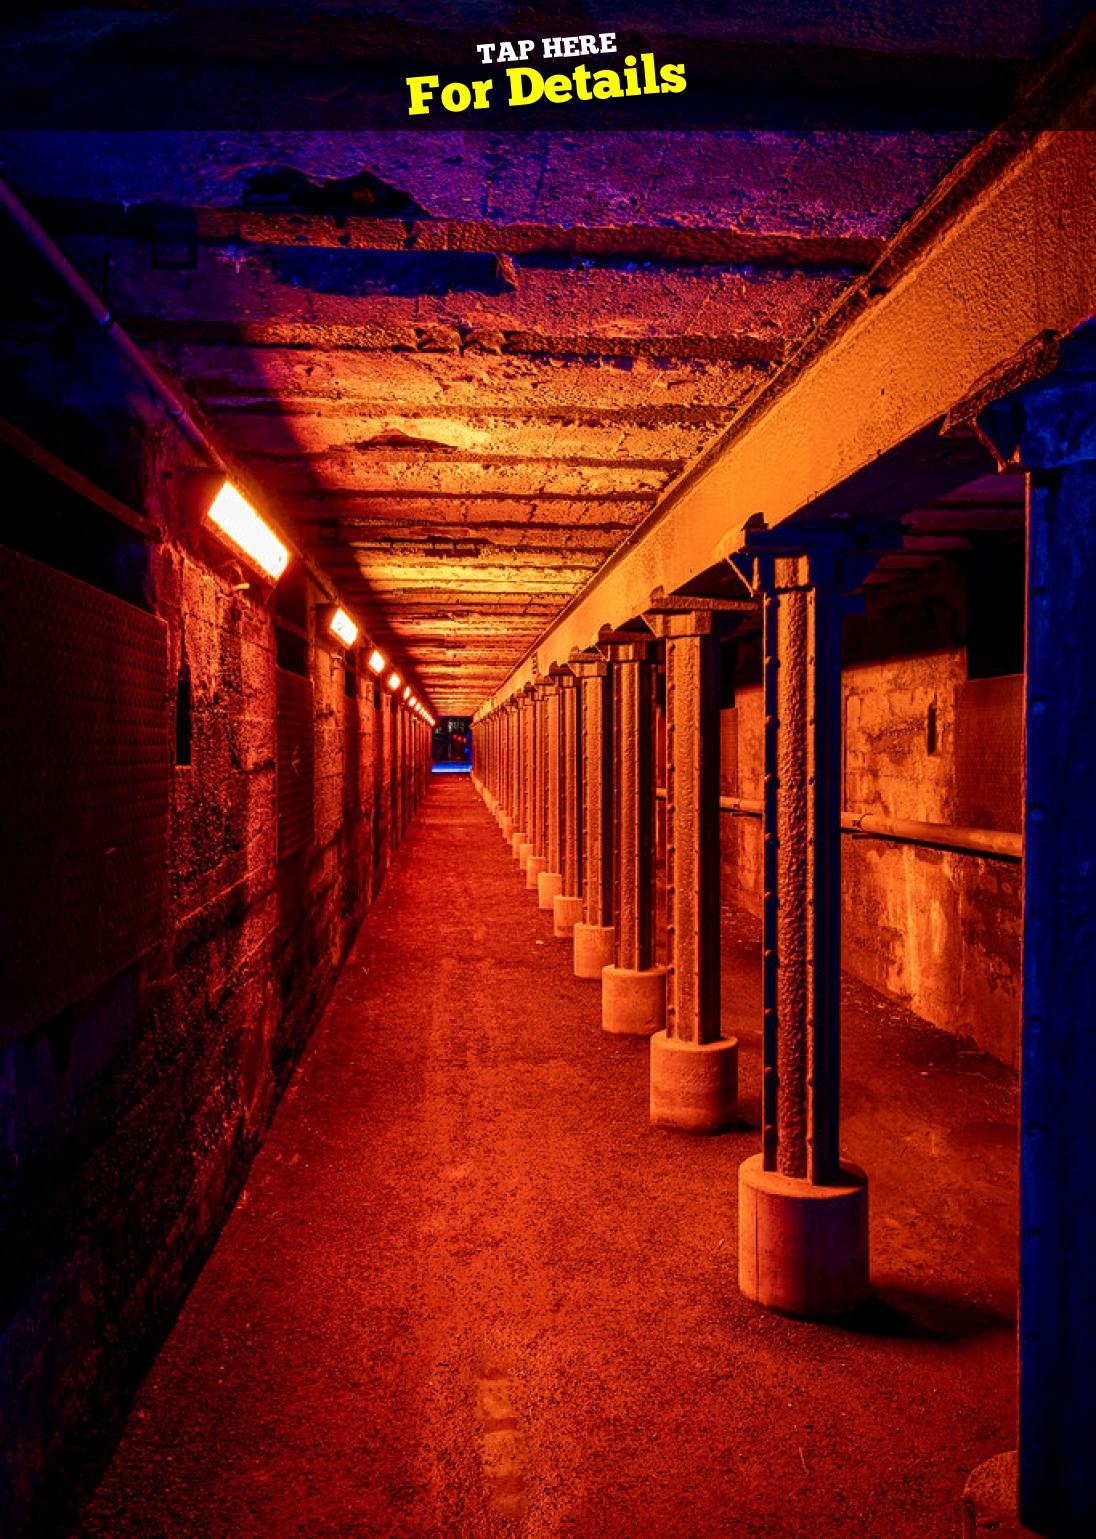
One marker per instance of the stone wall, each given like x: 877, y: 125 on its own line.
x: 128, y: 1121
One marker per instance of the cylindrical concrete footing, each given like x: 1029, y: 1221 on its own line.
x: 517, y: 839
x: 802, y: 1249
x: 525, y: 849
x: 694, y: 1085
x: 566, y: 912
x: 633, y: 1001
x: 506, y: 823
x: 548, y: 886
x: 533, y: 867
x: 593, y: 948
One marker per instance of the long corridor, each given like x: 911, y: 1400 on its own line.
x: 469, y: 1290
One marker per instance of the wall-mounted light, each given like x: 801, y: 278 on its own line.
x: 407, y: 691
x: 377, y: 661
x: 237, y: 519
x: 341, y: 625
x: 394, y: 681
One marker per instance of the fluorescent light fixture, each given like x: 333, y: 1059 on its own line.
x: 342, y: 626
x: 394, y: 680
x: 377, y: 661
x: 407, y: 692
x: 238, y: 520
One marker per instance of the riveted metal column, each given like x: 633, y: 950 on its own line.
x: 514, y: 790
x: 550, y: 880
x: 528, y: 762
x: 538, y: 856
x: 517, y: 775
x: 1048, y: 429
x: 694, y: 1071
x: 488, y: 751
x: 505, y: 816
x: 567, y: 904
x: 803, y: 1217
x: 593, y: 933
x: 633, y: 988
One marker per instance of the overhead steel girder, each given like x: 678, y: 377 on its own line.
x: 963, y: 296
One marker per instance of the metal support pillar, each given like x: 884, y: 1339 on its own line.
x: 517, y: 775
x: 593, y: 933
x: 633, y: 987
x: 528, y: 762
x: 694, y: 1071
x: 505, y: 817
x: 567, y: 904
x: 538, y: 855
x: 550, y: 880
x: 1048, y: 428
x: 803, y: 1217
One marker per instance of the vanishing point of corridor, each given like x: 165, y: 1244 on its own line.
x: 469, y: 1290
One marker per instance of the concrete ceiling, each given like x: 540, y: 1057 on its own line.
x: 466, y: 365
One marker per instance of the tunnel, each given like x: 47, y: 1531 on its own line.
x: 548, y: 791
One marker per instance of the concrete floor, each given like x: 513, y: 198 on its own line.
x: 468, y: 1290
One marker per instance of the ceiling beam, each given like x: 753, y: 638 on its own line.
x: 992, y: 261
x: 666, y: 245
x: 318, y: 337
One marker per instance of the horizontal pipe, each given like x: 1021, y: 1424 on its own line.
x: 51, y: 253
x: 990, y: 842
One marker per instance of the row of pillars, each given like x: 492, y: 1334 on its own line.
x: 567, y: 765
x: 803, y: 1213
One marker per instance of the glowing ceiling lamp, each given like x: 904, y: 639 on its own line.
x: 407, y: 692
x: 394, y: 680
x: 237, y: 519
x: 342, y: 626
x: 377, y: 661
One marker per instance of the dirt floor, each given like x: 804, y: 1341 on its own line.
x: 469, y: 1291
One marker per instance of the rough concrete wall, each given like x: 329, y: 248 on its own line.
x: 127, y: 1125
x: 939, y: 931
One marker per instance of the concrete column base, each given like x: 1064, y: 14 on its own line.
x: 633, y: 1001
x: 506, y: 823
x: 802, y: 1249
x: 533, y: 867
x: 548, y: 886
x: 694, y: 1085
x: 989, y: 1501
x: 525, y: 849
x: 594, y: 948
x: 517, y: 839
x: 566, y: 912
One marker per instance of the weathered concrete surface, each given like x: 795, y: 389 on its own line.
x: 434, y: 1310
x: 466, y: 394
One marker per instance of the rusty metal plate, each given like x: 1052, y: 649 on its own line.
x: 85, y: 781
x: 296, y: 760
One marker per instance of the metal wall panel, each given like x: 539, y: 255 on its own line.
x: 296, y: 761
x: 85, y: 775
